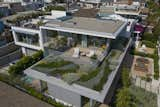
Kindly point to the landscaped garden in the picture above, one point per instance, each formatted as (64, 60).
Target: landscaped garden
(132, 96)
(98, 77)
(57, 67)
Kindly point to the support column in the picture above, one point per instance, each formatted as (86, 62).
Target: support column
(107, 45)
(84, 41)
(41, 39)
(91, 103)
(24, 51)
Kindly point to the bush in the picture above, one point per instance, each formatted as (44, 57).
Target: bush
(24, 63)
(123, 98)
(149, 44)
(37, 56)
(134, 52)
(150, 37)
(125, 77)
(156, 65)
(90, 75)
(94, 57)
(50, 8)
(104, 79)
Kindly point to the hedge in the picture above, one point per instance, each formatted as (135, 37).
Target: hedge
(106, 72)
(149, 37)
(90, 75)
(24, 63)
(50, 8)
(149, 44)
(29, 90)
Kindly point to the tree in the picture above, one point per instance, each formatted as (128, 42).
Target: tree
(123, 98)
(125, 77)
(24, 63)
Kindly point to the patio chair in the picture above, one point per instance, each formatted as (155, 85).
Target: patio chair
(76, 53)
(90, 54)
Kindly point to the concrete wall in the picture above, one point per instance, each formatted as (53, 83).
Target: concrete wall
(65, 95)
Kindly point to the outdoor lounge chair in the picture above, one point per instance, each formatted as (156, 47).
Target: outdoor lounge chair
(91, 53)
(76, 53)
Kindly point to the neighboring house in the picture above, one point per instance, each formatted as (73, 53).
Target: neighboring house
(28, 2)
(4, 11)
(13, 7)
(77, 40)
(31, 39)
(129, 11)
(1, 27)
(95, 3)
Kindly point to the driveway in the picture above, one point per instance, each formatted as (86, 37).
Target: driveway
(12, 97)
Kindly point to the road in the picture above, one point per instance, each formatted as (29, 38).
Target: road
(12, 97)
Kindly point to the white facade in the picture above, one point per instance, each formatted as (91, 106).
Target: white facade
(27, 45)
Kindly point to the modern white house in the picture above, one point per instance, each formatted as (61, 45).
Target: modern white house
(76, 47)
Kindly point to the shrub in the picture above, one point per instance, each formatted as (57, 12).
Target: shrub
(94, 57)
(149, 44)
(37, 56)
(125, 77)
(149, 37)
(24, 63)
(103, 80)
(90, 75)
(50, 8)
(123, 98)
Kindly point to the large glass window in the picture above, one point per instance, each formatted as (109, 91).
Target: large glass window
(27, 38)
(96, 41)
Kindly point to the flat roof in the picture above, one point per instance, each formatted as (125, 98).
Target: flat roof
(90, 26)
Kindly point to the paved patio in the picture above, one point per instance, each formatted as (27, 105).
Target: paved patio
(12, 97)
